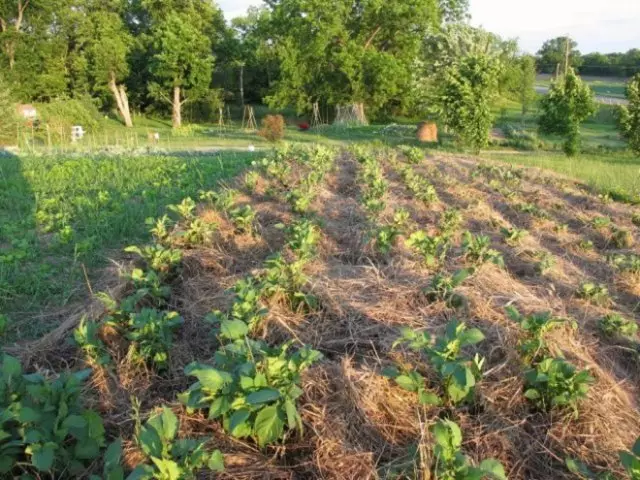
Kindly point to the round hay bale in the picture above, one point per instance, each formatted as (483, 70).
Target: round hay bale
(427, 132)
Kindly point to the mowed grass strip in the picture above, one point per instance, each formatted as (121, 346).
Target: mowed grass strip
(615, 174)
(58, 214)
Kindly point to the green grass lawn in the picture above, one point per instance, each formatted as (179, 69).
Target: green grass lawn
(60, 213)
(603, 86)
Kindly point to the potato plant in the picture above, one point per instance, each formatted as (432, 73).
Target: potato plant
(302, 238)
(477, 250)
(597, 294)
(459, 374)
(443, 287)
(556, 383)
(535, 326)
(514, 236)
(44, 428)
(616, 325)
(252, 388)
(243, 219)
(626, 263)
(247, 312)
(171, 457)
(163, 260)
(451, 464)
(432, 249)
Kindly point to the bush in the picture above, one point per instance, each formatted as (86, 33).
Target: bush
(61, 115)
(272, 128)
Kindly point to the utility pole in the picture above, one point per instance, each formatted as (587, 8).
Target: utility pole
(566, 54)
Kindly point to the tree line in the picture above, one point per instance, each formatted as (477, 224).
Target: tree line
(156, 56)
(554, 52)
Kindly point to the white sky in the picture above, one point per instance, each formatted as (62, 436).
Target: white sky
(605, 26)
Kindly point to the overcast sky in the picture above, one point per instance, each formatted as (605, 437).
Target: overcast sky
(605, 26)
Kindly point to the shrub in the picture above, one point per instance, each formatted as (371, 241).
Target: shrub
(272, 128)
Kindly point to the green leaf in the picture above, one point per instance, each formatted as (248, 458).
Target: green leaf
(113, 454)
(209, 377)
(494, 469)
(429, 398)
(28, 415)
(233, 329)
(265, 395)
(150, 442)
(216, 462)
(269, 425)
(142, 472)
(74, 421)
(42, 456)
(407, 382)
(293, 417)
(471, 337)
(10, 366)
(532, 394)
(87, 449)
(636, 448)
(169, 469)
(238, 426)
(169, 424)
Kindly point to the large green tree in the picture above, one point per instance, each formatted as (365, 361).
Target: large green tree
(568, 103)
(629, 116)
(182, 63)
(553, 53)
(347, 52)
(107, 49)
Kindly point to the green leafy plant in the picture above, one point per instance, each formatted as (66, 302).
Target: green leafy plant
(546, 261)
(554, 382)
(533, 209)
(172, 457)
(160, 229)
(243, 219)
(164, 261)
(412, 381)
(450, 222)
(513, 236)
(301, 198)
(597, 294)
(586, 245)
(615, 324)
(477, 249)
(626, 263)
(600, 222)
(186, 209)
(246, 313)
(443, 287)
(630, 461)
(302, 237)
(413, 154)
(432, 249)
(535, 327)
(87, 338)
(385, 238)
(286, 279)
(43, 420)
(622, 238)
(151, 334)
(252, 388)
(458, 373)
(250, 181)
(198, 232)
(401, 218)
(452, 464)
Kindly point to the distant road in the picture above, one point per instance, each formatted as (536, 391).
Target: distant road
(599, 98)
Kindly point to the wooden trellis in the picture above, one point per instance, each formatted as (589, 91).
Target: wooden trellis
(249, 118)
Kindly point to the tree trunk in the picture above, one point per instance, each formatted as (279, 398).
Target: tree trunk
(176, 117)
(121, 99)
(242, 84)
(126, 113)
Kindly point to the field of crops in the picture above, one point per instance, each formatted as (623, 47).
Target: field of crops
(349, 314)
